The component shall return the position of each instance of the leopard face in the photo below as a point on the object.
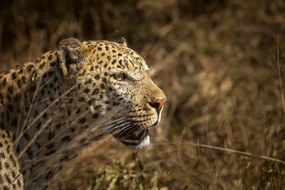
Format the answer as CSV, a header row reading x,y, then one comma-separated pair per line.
x,y
115,84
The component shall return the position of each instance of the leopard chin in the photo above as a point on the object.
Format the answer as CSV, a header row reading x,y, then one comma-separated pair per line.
x,y
145,142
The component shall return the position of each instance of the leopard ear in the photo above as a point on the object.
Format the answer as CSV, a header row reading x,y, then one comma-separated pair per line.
x,y
122,40
70,55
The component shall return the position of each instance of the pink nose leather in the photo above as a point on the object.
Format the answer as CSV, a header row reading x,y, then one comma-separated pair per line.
x,y
161,103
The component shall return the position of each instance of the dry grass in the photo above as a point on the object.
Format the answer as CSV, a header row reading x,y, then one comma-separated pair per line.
x,y
221,65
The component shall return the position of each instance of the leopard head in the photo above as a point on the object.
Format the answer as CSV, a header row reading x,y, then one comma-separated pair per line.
x,y
112,80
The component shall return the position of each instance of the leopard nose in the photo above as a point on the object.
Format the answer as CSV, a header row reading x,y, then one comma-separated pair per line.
x,y
158,103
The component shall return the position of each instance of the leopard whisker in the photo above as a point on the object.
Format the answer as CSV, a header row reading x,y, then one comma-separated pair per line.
x,y
118,133
98,130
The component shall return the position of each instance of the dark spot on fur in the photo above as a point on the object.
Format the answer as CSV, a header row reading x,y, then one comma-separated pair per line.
x,y
88,81
66,139
95,115
2,155
51,135
8,149
12,159
86,90
14,76
81,99
13,174
24,79
42,66
50,57
95,91
7,166
82,120
4,83
52,63
19,83
29,68
97,77
10,90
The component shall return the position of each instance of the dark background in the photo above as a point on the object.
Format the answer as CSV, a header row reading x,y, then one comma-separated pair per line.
x,y
221,65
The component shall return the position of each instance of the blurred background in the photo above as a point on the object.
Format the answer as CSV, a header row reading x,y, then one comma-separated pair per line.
x,y
221,65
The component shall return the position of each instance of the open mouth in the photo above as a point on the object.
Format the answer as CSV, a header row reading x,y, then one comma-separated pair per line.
x,y
137,137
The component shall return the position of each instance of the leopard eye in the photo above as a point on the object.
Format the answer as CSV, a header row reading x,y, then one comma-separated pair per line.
x,y
120,76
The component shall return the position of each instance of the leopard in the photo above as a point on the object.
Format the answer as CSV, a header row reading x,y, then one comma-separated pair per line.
x,y
66,99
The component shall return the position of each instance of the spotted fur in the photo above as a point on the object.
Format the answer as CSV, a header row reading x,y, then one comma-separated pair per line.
x,y
54,106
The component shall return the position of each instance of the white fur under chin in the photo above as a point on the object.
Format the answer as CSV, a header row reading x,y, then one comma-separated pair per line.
x,y
145,142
